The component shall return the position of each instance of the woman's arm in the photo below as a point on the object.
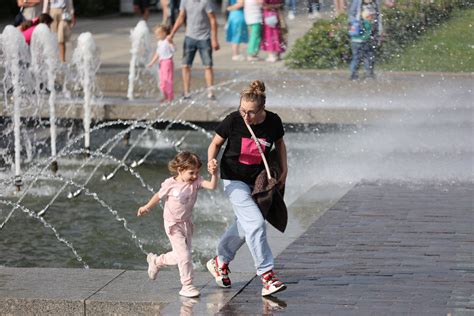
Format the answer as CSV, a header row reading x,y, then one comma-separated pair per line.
x,y
282,161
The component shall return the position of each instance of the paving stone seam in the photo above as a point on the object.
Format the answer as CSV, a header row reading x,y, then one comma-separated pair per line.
x,y
100,289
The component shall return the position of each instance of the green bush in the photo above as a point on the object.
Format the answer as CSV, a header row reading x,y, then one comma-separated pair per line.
x,y
326,45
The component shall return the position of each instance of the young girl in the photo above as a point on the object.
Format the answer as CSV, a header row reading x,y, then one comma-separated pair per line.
x,y
179,193
164,52
272,41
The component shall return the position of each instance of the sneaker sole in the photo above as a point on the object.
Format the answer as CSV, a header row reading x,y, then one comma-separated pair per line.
x,y
210,268
280,289
189,295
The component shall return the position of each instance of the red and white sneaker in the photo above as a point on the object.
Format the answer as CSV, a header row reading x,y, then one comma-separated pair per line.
x,y
271,284
152,267
220,273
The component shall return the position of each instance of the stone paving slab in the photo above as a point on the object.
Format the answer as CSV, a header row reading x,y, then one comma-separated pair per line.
x,y
383,249
26,291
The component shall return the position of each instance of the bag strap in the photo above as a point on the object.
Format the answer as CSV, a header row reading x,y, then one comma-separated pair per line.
x,y
257,142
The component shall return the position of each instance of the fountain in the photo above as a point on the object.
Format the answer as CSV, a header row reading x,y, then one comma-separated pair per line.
x,y
45,64
140,51
99,228
86,60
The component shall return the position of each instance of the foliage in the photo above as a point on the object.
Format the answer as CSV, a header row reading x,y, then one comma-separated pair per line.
x,y
445,48
327,45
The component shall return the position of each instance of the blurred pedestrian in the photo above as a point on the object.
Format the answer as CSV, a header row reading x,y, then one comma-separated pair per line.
x,y
339,6
366,35
236,32
62,12
27,27
253,19
272,40
201,35
164,53
314,8
31,8
291,4
142,7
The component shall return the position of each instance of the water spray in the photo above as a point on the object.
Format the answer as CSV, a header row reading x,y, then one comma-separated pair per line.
x,y
140,51
45,60
85,58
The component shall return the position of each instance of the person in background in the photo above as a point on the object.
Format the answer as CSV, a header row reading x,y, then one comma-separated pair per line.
x,y
62,12
253,18
31,8
314,8
371,35
236,28
165,8
142,7
240,165
201,35
164,53
291,4
27,27
272,40
179,193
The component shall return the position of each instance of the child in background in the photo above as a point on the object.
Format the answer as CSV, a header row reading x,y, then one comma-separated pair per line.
x,y
236,32
253,18
363,45
179,193
164,53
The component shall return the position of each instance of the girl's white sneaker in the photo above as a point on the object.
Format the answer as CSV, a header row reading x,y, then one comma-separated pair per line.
x,y
189,291
152,268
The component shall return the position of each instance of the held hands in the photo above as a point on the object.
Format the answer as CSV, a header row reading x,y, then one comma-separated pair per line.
x,y
143,210
212,166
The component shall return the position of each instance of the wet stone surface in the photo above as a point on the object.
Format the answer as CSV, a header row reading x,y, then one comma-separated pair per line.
x,y
382,249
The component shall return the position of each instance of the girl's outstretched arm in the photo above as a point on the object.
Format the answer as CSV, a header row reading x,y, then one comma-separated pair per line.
x,y
153,61
146,208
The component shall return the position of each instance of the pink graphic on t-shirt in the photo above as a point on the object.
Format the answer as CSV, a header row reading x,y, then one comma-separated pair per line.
x,y
249,154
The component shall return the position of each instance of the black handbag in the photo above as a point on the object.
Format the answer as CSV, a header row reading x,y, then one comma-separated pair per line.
x,y
19,18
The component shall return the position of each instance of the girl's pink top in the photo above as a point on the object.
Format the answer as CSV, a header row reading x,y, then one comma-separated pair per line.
x,y
179,198
29,31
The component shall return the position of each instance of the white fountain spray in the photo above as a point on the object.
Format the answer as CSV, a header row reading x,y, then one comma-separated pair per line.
x,y
16,58
45,63
141,52
86,60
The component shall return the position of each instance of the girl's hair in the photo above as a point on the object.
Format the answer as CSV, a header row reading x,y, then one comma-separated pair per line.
x,y
183,161
26,25
163,27
45,18
255,92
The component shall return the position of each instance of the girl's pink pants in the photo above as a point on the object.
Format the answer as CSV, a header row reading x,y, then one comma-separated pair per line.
x,y
166,78
180,235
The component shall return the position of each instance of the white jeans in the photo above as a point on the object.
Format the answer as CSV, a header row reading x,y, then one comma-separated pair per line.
x,y
249,226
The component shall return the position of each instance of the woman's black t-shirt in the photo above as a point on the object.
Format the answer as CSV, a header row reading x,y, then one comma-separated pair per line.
x,y
241,159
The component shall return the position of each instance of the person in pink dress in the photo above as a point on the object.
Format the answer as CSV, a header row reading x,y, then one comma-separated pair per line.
x,y
179,193
272,41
